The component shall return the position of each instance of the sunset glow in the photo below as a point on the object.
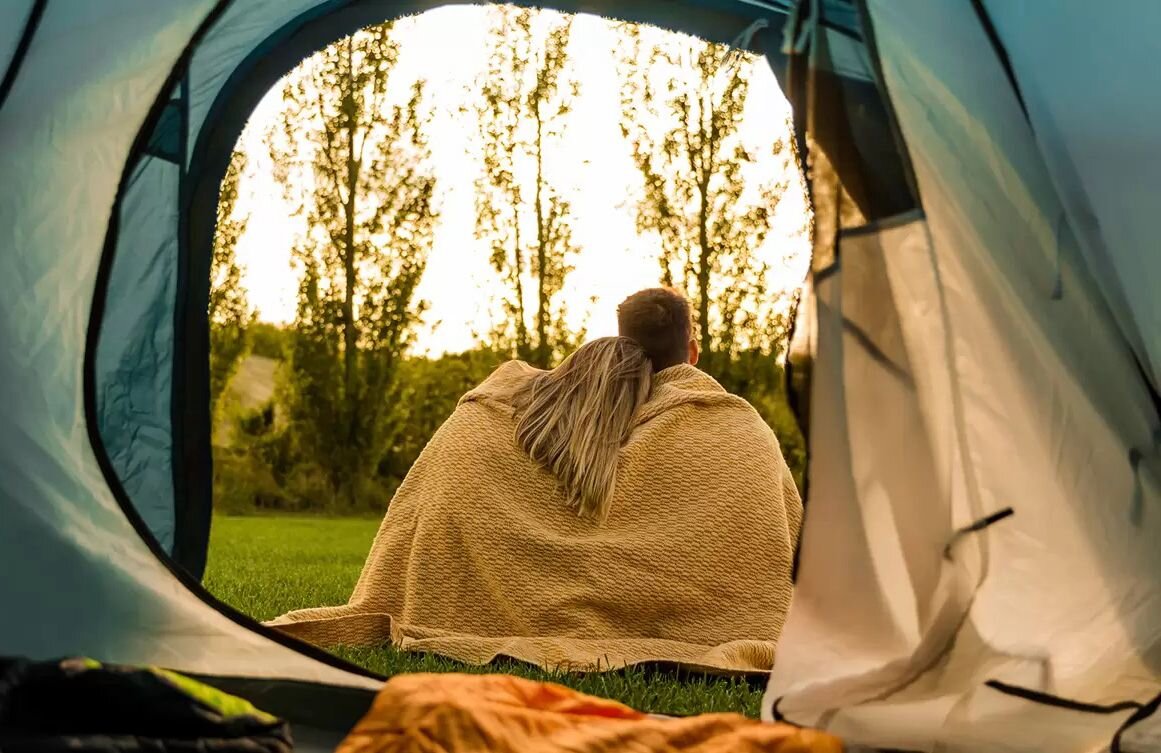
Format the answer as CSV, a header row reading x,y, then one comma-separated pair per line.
x,y
447,47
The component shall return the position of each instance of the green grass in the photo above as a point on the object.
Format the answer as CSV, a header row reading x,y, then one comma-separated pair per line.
x,y
265,566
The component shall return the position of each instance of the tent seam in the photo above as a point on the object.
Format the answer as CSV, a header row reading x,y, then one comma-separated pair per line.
x,y
1051,699
1139,716
1001,54
31,24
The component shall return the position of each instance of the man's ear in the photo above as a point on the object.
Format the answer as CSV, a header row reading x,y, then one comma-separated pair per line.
x,y
693,353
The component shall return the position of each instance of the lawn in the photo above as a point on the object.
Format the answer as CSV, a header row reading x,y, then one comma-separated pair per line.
x,y
265,566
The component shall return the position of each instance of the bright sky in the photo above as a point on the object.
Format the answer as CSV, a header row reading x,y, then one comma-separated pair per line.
x,y
447,46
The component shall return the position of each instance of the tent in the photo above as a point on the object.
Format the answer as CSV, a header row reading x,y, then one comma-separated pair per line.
x,y
976,360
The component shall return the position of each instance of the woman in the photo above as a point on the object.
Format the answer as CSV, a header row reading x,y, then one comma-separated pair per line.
x,y
604,513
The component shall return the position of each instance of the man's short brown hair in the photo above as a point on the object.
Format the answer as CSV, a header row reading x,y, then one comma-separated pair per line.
x,y
660,320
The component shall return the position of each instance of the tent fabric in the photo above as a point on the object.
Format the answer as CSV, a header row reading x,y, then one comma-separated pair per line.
x,y
1002,394
138,343
690,568
139,333
88,582
995,319
1095,126
15,36
860,496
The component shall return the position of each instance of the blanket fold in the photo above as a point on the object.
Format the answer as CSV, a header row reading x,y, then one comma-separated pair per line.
x,y
478,556
458,713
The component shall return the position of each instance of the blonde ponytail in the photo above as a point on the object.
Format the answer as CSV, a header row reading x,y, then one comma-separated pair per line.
x,y
573,420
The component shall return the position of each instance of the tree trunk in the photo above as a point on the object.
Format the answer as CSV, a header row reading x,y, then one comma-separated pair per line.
x,y
703,280
350,335
522,350
704,267
706,147
541,357
350,341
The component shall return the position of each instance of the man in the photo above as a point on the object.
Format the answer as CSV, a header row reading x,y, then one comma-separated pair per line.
x,y
660,319
619,509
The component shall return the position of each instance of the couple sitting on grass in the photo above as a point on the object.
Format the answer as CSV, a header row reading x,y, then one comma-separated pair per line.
x,y
620,509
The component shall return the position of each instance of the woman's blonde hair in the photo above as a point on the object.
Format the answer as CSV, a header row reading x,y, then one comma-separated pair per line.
x,y
573,420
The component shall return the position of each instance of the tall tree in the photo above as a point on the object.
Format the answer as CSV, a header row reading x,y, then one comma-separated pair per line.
x,y
357,163
520,212
229,309
707,195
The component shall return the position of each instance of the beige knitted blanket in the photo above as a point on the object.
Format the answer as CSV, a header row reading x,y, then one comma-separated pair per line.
x,y
478,557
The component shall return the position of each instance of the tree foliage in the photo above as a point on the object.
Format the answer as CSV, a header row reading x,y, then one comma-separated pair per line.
x,y
709,198
357,164
229,309
707,195
521,214
432,387
268,340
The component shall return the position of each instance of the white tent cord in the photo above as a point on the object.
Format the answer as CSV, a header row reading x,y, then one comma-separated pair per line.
x,y
743,41
790,44
741,44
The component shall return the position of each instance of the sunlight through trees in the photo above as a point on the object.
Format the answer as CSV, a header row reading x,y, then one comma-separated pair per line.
x,y
526,96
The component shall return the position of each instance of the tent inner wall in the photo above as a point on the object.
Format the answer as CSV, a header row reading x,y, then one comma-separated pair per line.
x,y
1094,119
1029,398
137,343
873,588
859,170
79,578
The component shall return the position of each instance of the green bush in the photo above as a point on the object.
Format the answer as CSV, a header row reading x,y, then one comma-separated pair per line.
x,y
775,411
267,340
267,468
430,391
243,484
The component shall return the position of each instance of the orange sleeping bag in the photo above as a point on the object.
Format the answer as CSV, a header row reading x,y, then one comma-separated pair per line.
x,y
460,713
